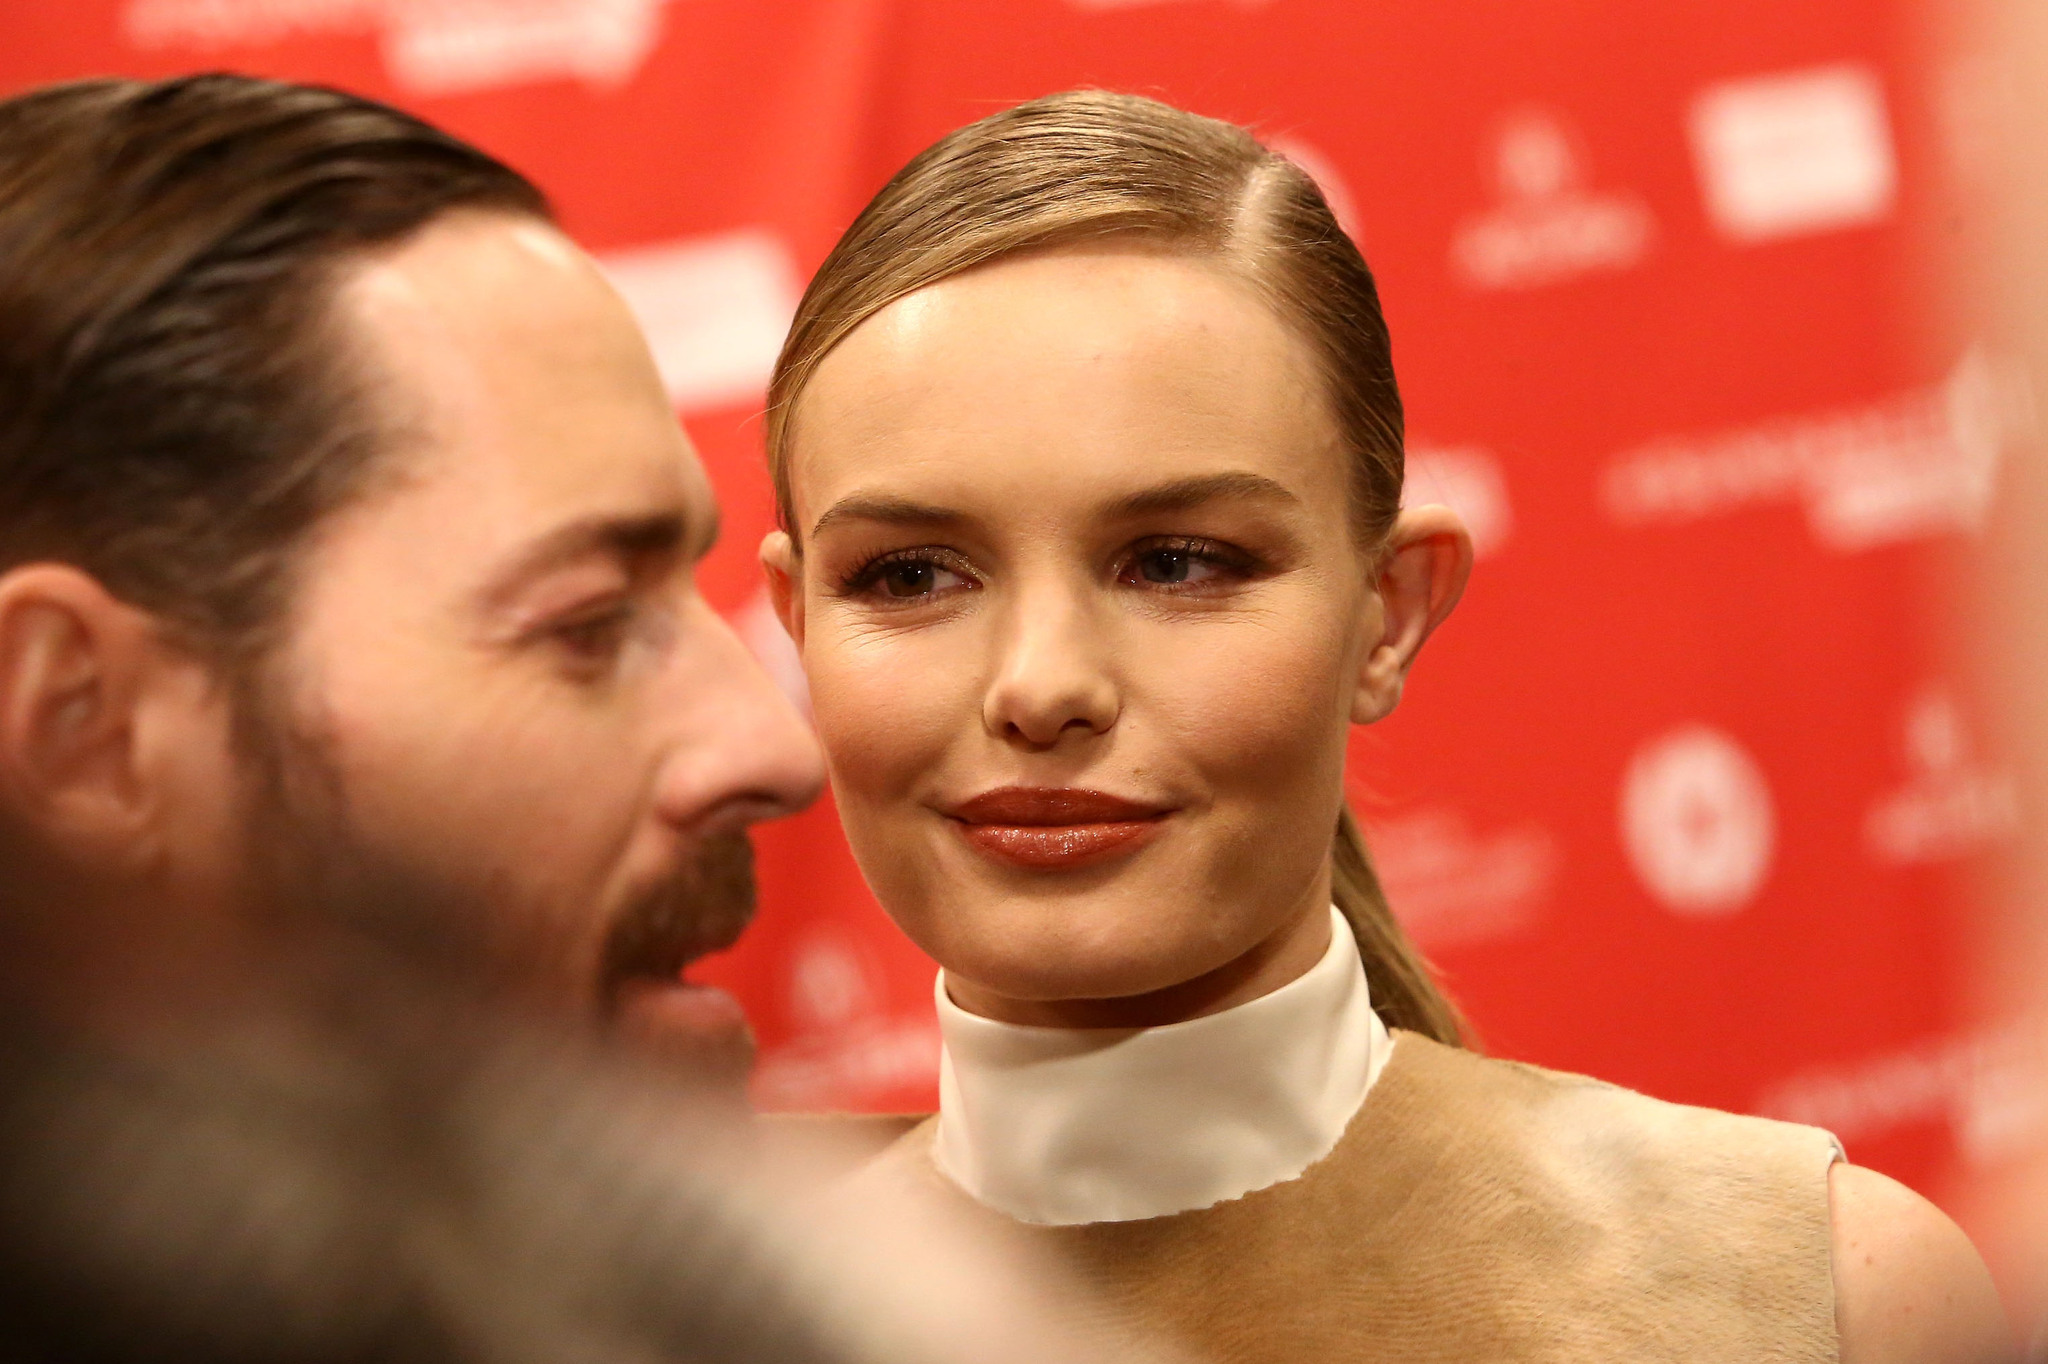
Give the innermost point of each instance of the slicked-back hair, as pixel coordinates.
(1092, 166)
(177, 408)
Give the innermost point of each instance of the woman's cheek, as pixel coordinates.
(883, 718)
(1253, 711)
(885, 730)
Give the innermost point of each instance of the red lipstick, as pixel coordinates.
(1055, 827)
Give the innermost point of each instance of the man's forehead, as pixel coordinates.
(492, 310)
(515, 263)
(533, 421)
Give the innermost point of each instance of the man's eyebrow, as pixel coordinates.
(630, 539)
(895, 511)
(1185, 493)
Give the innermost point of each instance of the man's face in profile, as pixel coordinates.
(500, 703)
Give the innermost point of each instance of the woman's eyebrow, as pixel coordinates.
(1179, 495)
(1184, 493)
(895, 511)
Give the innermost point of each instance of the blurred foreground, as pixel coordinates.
(374, 1168)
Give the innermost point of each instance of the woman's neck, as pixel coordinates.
(1282, 956)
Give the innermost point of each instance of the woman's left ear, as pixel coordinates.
(1423, 569)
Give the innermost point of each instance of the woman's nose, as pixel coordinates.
(1053, 676)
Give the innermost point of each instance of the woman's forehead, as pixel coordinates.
(1139, 364)
(1092, 300)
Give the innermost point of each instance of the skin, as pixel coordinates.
(1909, 1286)
(497, 654)
(1040, 484)
(1002, 439)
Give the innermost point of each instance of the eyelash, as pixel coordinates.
(594, 635)
(1227, 558)
(869, 571)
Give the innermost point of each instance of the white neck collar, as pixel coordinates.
(1071, 1125)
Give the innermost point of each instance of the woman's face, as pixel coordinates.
(1085, 625)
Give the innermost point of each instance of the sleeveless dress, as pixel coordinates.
(1480, 1210)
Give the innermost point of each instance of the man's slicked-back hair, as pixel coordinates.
(177, 409)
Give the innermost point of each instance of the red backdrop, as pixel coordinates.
(1683, 795)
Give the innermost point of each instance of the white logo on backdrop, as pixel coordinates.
(1951, 803)
(715, 311)
(843, 1048)
(1696, 821)
(430, 47)
(1785, 155)
(1470, 482)
(1548, 225)
(1322, 170)
(828, 983)
(1451, 885)
(1922, 463)
(1982, 1086)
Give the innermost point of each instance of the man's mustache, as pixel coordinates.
(702, 910)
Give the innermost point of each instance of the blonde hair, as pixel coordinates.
(1090, 166)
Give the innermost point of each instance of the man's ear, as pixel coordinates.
(72, 665)
(785, 583)
(1422, 574)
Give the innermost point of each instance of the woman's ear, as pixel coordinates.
(73, 668)
(785, 583)
(1423, 569)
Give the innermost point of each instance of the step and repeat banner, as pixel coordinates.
(1686, 795)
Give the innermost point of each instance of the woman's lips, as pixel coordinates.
(1050, 827)
(1064, 845)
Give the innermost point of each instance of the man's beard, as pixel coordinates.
(313, 870)
(665, 928)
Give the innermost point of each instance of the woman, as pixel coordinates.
(1088, 453)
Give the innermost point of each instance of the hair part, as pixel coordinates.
(1089, 166)
(178, 404)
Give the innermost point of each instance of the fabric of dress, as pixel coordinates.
(1478, 1209)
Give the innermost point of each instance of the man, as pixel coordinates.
(351, 673)
(360, 726)
(346, 541)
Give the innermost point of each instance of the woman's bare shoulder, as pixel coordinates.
(1909, 1286)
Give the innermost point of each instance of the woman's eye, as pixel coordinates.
(915, 579)
(907, 580)
(1172, 566)
(1182, 565)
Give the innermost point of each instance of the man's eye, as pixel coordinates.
(596, 636)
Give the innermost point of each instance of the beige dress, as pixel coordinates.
(1483, 1210)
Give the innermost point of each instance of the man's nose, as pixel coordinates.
(1053, 676)
(741, 753)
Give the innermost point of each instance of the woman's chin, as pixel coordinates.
(1041, 945)
(1051, 978)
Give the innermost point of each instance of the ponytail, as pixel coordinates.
(1403, 993)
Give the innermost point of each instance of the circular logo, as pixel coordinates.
(1696, 821)
(829, 986)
